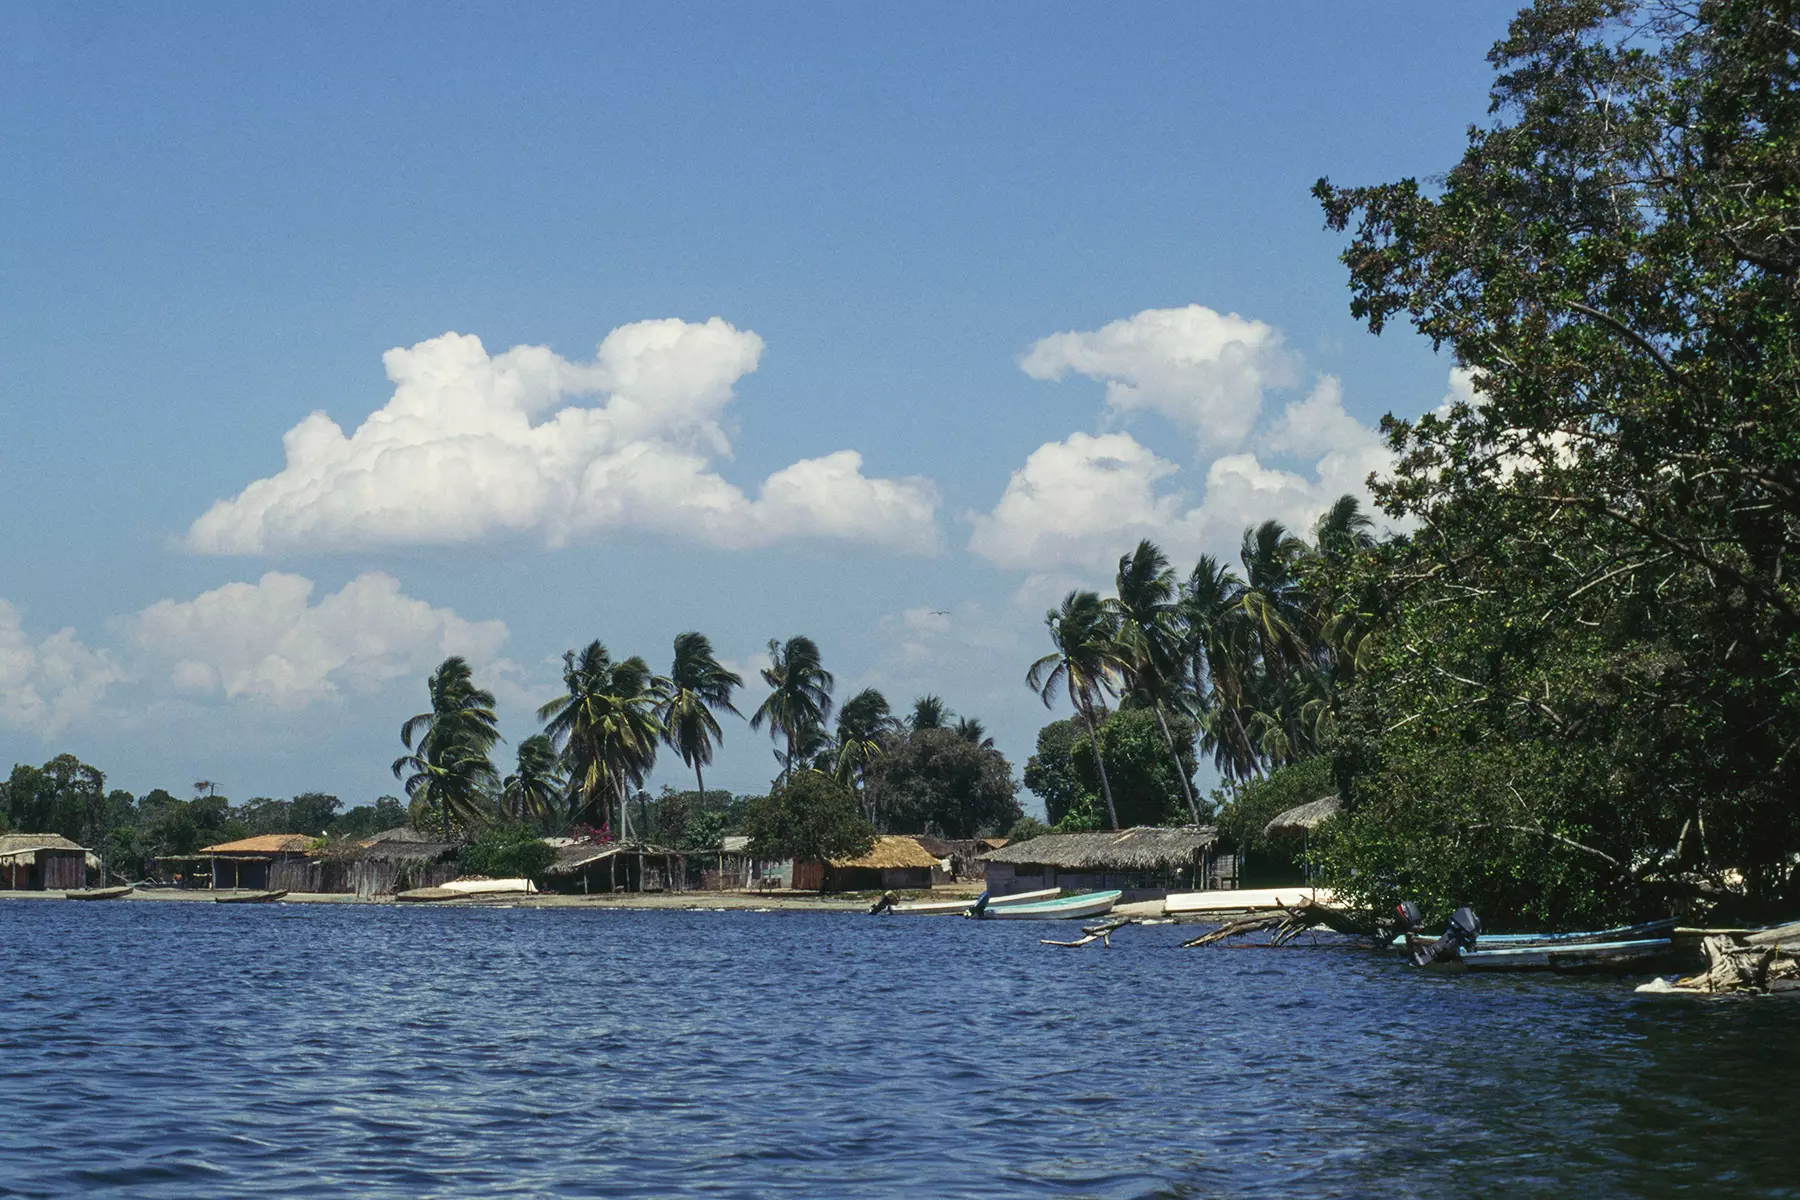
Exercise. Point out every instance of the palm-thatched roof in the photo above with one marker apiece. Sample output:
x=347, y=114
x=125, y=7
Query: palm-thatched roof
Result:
x=1302, y=817
x=1145, y=848
x=891, y=852
x=16, y=846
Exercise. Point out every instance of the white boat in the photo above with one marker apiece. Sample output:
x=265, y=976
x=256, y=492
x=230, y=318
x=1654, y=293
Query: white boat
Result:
x=1093, y=904
x=488, y=887
x=1236, y=900
x=926, y=908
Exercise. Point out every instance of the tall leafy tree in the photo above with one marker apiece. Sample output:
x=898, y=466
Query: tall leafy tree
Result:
x=865, y=724
x=1086, y=664
x=697, y=687
x=449, y=772
x=799, y=699
x=929, y=712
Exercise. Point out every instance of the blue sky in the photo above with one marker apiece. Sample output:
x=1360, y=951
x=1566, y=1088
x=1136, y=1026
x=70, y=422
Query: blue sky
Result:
x=218, y=220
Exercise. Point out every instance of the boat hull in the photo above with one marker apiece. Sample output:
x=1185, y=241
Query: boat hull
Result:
x=1511, y=941
x=1579, y=957
x=1095, y=904
x=253, y=898
x=112, y=893
x=928, y=908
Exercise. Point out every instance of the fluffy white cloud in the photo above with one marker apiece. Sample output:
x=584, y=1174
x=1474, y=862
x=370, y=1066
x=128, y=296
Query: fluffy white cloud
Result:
x=463, y=450
x=1081, y=502
x=1202, y=369
x=46, y=684
x=268, y=641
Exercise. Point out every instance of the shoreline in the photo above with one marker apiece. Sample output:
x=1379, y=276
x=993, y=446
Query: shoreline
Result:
x=646, y=901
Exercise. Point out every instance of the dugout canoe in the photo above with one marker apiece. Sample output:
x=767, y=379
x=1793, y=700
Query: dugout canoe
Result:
x=111, y=893
x=251, y=898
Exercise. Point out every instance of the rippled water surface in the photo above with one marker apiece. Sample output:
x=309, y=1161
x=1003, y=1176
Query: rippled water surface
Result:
x=205, y=1050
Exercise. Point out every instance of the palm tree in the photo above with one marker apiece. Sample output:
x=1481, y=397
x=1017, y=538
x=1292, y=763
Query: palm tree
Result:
x=605, y=725
x=970, y=729
x=1343, y=529
x=799, y=699
x=450, y=772
x=530, y=793
x=864, y=724
x=697, y=686
x=929, y=712
x=1086, y=662
x=1150, y=638
x=1219, y=653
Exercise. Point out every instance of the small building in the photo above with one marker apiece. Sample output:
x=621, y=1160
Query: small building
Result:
x=893, y=862
x=589, y=867
x=958, y=858
x=1145, y=862
x=394, y=860
x=42, y=862
x=268, y=862
x=732, y=867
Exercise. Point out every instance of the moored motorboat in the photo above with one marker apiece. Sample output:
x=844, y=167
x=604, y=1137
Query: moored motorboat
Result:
x=110, y=893
x=1631, y=955
x=1623, y=933
x=1092, y=904
x=925, y=908
x=251, y=898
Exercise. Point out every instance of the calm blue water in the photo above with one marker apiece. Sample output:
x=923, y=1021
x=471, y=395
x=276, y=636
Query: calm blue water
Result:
x=203, y=1050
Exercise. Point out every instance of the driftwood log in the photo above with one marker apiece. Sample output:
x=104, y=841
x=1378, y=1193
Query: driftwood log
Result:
x=1290, y=923
x=1737, y=968
x=1101, y=932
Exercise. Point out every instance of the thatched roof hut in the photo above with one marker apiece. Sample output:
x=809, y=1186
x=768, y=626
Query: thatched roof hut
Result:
x=891, y=852
x=614, y=866
x=1145, y=848
x=1302, y=818
x=1142, y=862
x=43, y=861
x=268, y=843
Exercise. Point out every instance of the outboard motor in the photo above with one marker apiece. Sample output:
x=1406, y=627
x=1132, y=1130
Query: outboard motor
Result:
x=1407, y=918
x=887, y=901
x=980, y=909
x=1460, y=935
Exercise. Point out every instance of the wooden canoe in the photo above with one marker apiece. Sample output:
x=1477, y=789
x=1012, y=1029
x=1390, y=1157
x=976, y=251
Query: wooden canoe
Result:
x=1582, y=956
x=251, y=898
x=926, y=908
x=429, y=895
x=1093, y=904
x=111, y=893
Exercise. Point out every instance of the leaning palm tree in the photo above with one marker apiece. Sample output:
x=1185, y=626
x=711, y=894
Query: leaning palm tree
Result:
x=531, y=792
x=1086, y=662
x=605, y=726
x=450, y=770
x=697, y=686
x=1343, y=529
x=1150, y=639
x=799, y=699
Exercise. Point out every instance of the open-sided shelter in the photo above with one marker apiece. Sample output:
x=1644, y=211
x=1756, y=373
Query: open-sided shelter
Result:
x=270, y=861
x=616, y=867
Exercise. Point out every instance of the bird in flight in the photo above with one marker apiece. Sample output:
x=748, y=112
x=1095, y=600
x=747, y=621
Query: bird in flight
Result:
x=940, y=612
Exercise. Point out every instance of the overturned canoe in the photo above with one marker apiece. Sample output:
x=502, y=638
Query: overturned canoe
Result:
x=111, y=893
x=251, y=898
x=1581, y=956
x=926, y=908
x=1093, y=904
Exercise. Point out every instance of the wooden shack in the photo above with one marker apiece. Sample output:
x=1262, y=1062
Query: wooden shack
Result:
x=42, y=862
x=396, y=860
x=589, y=867
x=894, y=862
x=268, y=862
x=1144, y=862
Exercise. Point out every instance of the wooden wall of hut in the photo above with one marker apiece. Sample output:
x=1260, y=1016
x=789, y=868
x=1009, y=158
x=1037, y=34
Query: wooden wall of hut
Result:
x=61, y=870
x=385, y=876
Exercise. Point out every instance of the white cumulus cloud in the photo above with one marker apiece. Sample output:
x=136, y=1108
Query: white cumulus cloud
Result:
x=473, y=444
x=47, y=683
x=1202, y=369
x=269, y=641
x=1082, y=502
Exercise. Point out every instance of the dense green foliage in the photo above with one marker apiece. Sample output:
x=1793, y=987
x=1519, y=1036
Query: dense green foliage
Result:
x=943, y=781
x=1147, y=788
x=809, y=816
x=1576, y=695
x=506, y=850
x=1246, y=808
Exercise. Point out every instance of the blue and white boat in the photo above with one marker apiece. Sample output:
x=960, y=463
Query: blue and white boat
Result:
x=1092, y=904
